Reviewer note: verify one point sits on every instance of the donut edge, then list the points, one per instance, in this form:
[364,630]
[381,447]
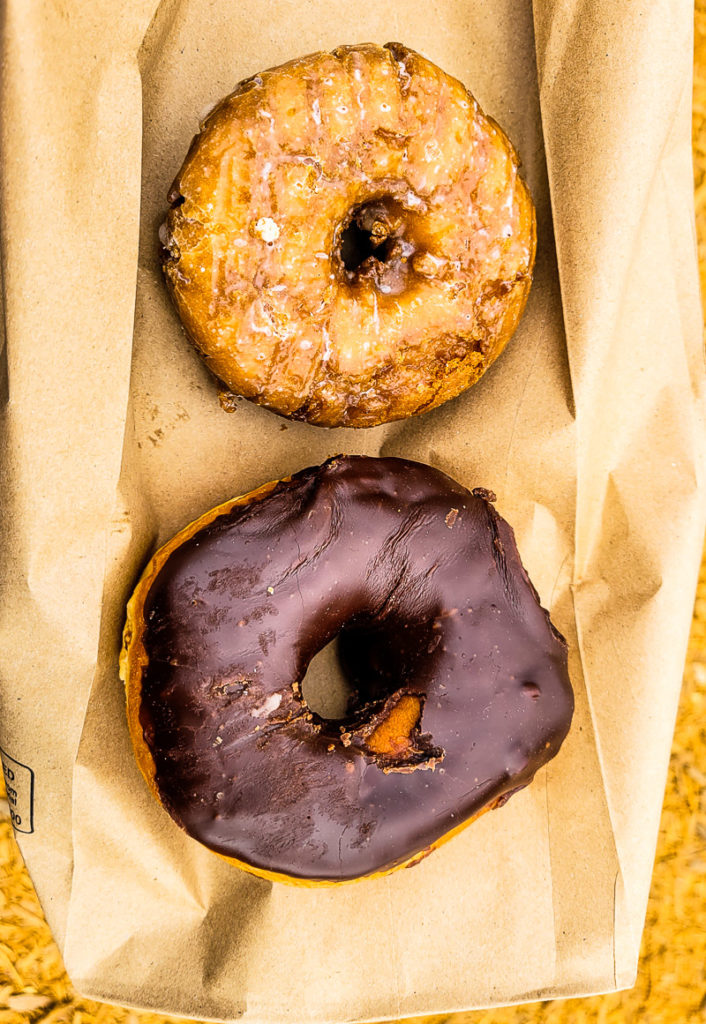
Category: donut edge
[133,659]
[133,656]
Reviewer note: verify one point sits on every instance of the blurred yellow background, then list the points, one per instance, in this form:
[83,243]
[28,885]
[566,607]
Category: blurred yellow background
[671,984]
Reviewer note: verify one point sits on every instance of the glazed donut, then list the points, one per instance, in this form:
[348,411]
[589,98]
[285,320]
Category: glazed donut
[459,680]
[349,241]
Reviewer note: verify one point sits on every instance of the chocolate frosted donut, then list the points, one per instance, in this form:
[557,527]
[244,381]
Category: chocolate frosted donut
[459,680]
[349,240]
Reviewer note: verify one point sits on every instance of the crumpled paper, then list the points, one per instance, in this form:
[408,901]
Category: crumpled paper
[590,429]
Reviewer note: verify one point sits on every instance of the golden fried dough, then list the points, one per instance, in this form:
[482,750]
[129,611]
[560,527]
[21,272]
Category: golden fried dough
[349,240]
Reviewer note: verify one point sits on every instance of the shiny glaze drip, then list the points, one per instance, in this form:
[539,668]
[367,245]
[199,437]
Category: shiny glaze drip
[460,686]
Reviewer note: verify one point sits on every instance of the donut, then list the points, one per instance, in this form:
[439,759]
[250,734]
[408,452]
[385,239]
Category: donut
[349,241]
[459,685]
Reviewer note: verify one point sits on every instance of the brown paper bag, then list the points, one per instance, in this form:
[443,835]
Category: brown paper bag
[589,428]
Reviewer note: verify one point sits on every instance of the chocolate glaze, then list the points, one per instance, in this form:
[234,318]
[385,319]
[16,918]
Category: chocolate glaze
[423,583]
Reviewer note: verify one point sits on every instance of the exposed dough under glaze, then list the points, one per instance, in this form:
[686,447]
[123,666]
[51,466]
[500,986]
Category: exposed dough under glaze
[277,174]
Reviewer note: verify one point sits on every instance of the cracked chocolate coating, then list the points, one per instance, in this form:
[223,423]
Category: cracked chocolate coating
[437,620]
[253,247]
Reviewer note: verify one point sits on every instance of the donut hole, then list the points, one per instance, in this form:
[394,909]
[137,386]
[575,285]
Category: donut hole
[366,705]
[338,683]
[375,244]
[356,247]
[325,688]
